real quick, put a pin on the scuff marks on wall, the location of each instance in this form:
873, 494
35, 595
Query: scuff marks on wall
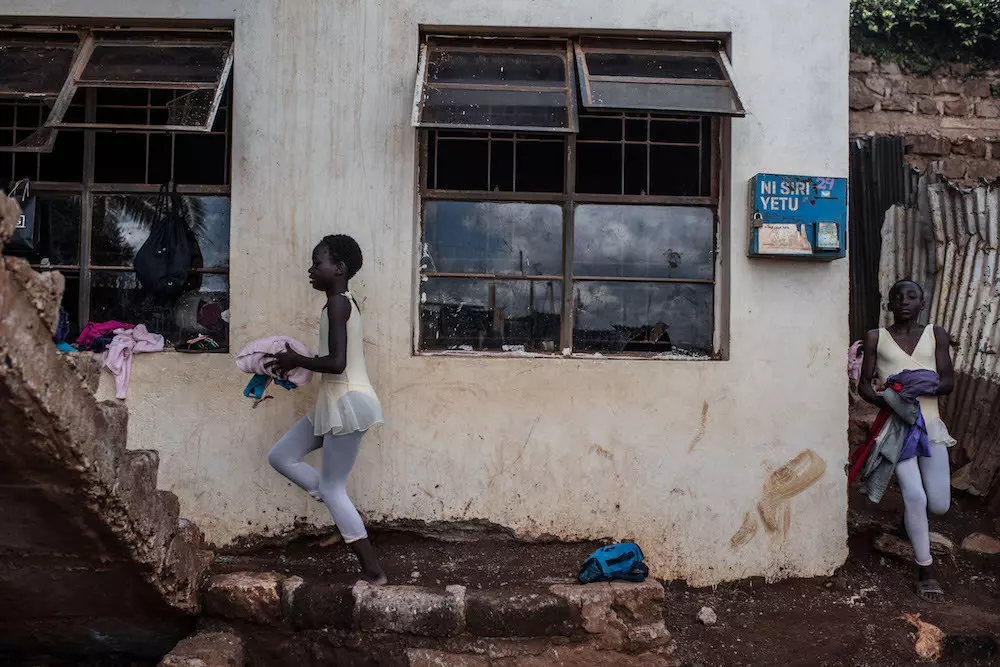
701, 429
787, 482
747, 531
781, 486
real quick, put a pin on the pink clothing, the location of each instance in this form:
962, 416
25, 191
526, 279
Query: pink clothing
252, 358
94, 330
118, 358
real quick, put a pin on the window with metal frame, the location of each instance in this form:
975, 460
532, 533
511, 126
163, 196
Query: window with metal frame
676, 77
496, 84
191, 68
97, 193
608, 251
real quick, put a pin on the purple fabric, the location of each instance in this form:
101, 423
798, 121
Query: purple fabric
914, 384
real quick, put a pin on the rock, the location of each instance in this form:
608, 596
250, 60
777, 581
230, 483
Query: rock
587, 656
894, 546
941, 544
501, 613
624, 615
707, 616
44, 290
981, 544
10, 211
312, 606
247, 596
209, 649
422, 657
410, 610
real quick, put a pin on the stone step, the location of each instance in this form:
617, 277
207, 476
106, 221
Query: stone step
107, 458
137, 476
87, 366
612, 617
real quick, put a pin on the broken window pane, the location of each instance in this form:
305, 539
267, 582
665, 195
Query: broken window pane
644, 242
31, 65
510, 316
490, 84
617, 317
155, 63
117, 295
492, 237
122, 223
676, 78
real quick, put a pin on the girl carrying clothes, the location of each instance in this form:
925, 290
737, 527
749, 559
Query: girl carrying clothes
346, 406
924, 478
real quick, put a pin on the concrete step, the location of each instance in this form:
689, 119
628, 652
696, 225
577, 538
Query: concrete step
405, 622
107, 459
87, 366
136, 480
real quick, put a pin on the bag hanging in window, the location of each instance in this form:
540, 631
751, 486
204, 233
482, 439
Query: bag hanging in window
26, 231
164, 260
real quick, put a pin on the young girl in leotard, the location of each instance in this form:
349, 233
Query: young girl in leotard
346, 406
924, 480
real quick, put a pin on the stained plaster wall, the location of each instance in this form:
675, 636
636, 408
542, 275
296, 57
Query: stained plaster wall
685, 456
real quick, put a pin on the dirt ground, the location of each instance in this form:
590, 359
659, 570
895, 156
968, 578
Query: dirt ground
851, 618
855, 616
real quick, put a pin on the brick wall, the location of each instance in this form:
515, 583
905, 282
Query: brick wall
950, 119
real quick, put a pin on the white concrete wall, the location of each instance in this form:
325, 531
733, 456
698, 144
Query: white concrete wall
676, 454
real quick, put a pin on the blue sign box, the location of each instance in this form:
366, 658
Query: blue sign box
798, 217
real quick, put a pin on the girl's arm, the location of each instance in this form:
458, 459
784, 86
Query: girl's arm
868, 372
942, 356
338, 309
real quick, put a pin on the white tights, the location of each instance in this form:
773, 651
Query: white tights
926, 485
339, 454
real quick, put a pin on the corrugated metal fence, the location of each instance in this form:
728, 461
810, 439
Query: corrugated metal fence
879, 179
948, 240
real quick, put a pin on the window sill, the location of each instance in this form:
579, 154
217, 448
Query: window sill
577, 356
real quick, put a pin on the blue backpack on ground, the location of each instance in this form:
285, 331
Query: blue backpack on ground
622, 562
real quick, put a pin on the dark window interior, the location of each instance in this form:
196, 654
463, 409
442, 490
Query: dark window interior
114, 198
493, 272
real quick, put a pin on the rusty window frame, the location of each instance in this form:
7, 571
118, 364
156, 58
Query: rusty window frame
560, 47
652, 47
568, 200
88, 189
43, 138
91, 40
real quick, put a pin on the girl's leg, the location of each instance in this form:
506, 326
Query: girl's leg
286, 456
915, 519
936, 476
339, 454
915, 509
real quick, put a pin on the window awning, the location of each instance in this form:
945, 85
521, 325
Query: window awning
676, 77
495, 84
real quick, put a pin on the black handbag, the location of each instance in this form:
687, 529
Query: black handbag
26, 232
165, 259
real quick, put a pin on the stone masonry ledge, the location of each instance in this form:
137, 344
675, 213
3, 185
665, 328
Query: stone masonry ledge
615, 616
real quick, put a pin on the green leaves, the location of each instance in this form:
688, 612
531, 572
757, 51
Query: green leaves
922, 33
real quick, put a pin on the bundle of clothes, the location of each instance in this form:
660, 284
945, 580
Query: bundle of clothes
254, 359
898, 434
